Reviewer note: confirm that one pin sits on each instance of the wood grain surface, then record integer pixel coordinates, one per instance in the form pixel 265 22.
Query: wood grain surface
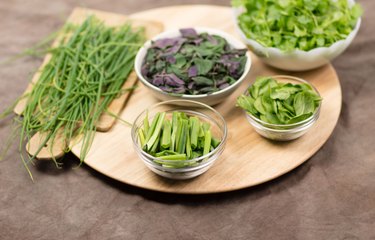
pixel 248 159
pixel 106 120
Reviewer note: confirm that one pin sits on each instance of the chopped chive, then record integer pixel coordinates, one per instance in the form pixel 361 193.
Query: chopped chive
pixel 141 137
pixel 154 147
pixel 156 132
pixel 181 140
pixel 165 153
pixel 174 157
pixel 215 142
pixel 194 128
pixel 166 137
pixel 207 142
pixel 189 151
pixel 175 116
pixel 152 127
pixel 146 124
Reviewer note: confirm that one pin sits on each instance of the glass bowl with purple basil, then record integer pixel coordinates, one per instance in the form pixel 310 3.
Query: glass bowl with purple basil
pixel 200 64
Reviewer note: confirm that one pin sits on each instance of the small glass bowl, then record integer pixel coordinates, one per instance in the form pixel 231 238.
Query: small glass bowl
pixel 284 132
pixel 188 168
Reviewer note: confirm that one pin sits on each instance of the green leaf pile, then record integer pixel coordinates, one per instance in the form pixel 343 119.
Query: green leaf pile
pixel 297 24
pixel 279 103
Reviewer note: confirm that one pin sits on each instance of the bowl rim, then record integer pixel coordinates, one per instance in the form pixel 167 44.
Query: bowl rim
pixel 351 35
pixel 201 158
pixel 229 38
pixel 271 126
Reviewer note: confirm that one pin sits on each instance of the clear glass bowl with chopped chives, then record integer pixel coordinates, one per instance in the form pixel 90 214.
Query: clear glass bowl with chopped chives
pixel 282 115
pixel 179 139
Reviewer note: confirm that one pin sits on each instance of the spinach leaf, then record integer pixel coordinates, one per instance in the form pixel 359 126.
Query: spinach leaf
pixel 279 103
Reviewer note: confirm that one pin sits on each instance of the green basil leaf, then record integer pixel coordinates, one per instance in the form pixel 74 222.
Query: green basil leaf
pixel 203 65
pixel 203 81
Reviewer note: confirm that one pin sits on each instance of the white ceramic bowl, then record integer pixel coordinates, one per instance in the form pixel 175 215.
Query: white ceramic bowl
pixel 297 60
pixel 209 99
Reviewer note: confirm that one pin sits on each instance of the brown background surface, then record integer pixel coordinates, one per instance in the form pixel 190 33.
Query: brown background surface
pixel 331 196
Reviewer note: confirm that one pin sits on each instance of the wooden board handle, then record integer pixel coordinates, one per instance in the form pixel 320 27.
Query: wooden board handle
pixel 46 153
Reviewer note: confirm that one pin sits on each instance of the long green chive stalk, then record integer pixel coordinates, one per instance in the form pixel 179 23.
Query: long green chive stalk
pixel 86 72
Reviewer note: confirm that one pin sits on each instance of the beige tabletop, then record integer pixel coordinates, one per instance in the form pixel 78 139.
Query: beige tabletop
pixel 331 196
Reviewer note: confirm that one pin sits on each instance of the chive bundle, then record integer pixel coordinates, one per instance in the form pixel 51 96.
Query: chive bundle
pixel 85 73
pixel 180 138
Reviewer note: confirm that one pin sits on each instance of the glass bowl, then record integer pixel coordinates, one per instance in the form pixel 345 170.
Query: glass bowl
pixel 185 169
pixel 284 132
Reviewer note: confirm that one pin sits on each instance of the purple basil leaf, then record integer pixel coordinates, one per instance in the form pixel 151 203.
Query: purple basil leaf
pixel 224 57
pixel 180 89
pixel 188 33
pixel 158 80
pixel 191 85
pixel 171 59
pixel 164 42
pixel 222 81
pixel 198 41
pixel 177 79
pixel 212 39
pixel 233 67
pixel 222 86
pixel 166 89
pixel 144 70
pixel 193 71
pixel 176 47
pixel 173 81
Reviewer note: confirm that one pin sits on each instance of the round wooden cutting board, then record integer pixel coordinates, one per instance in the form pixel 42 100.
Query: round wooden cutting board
pixel 248 158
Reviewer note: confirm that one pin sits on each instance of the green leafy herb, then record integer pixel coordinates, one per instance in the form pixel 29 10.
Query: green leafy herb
pixel 297 24
pixel 279 103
